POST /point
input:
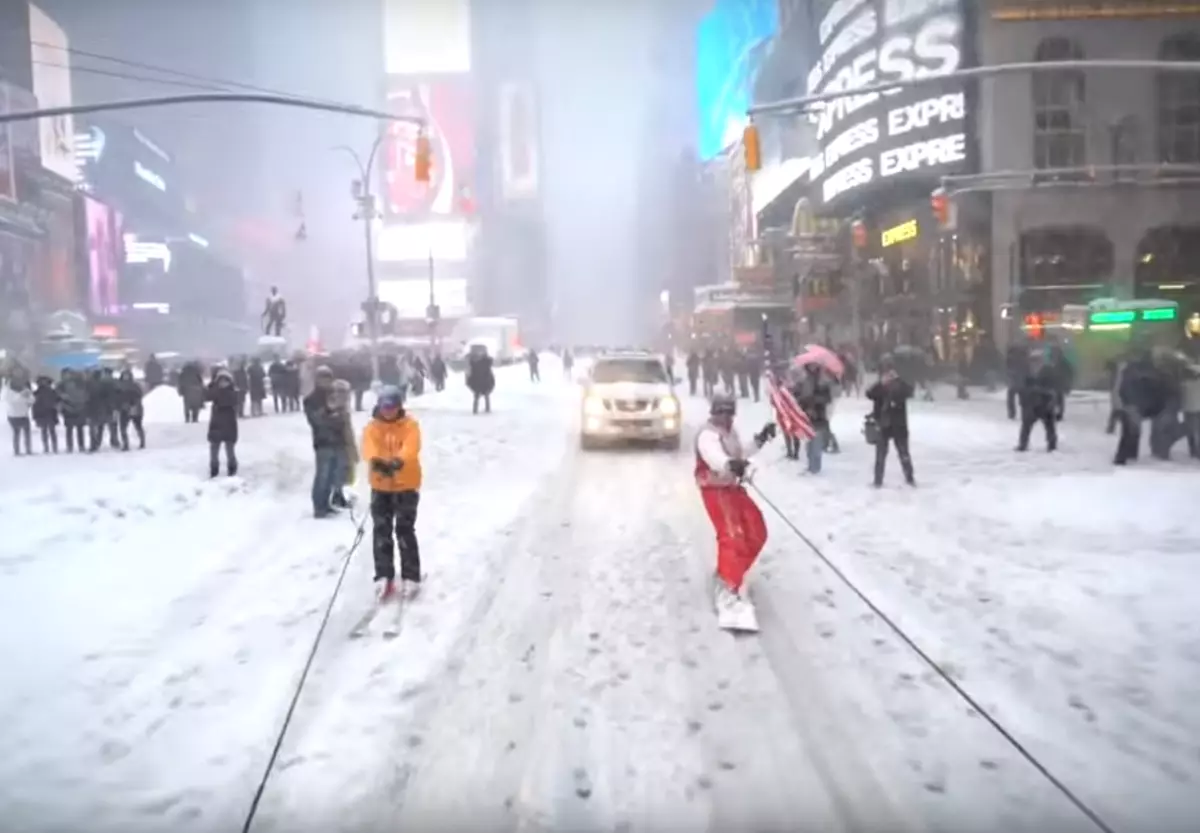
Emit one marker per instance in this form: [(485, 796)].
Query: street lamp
[(368, 213)]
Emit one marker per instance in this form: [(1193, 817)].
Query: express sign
[(872, 137)]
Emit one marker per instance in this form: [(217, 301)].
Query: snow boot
[(385, 590), (410, 589)]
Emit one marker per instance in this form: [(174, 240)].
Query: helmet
[(722, 404), (389, 397)]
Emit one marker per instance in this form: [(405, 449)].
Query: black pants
[(1130, 441), (534, 376), (792, 446), (49, 432), (136, 422), (692, 385), (394, 514), (358, 396), (1028, 420), (21, 428), (1010, 401), (214, 462), (75, 434), (487, 403), (900, 440), (191, 413), (256, 406), (97, 438), (755, 387), (275, 398)]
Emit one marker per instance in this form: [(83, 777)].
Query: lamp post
[(368, 213)]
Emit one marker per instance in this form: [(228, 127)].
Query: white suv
[(629, 396)]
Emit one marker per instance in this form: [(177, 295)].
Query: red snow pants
[(741, 531)]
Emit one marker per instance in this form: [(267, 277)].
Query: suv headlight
[(593, 406), (668, 406)]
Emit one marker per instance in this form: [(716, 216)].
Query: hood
[(223, 373)]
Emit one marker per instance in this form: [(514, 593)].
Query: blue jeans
[(330, 469), (815, 450)]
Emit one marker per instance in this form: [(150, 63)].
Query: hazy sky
[(246, 162)]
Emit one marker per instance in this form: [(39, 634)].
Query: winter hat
[(324, 372), (390, 396), (722, 405)]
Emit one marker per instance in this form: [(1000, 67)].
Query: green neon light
[(1162, 314), (1113, 317)]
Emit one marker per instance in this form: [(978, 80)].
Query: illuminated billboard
[(51, 59), (446, 107), (872, 140), (426, 37), (731, 43), (445, 241)]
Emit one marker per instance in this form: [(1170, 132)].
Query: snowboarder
[(222, 422), (391, 445), (721, 465)]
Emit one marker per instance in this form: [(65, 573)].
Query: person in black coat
[(437, 372), (222, 422), (256, 376), (277, 374), (72, 394), (45, 413), (889, 397), (102, 408), (129, 409), (153, 372), (327, 421), (481, 379), (1039, 395), (241, 380)]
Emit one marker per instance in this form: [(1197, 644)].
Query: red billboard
[(105, 256), (446, 106)]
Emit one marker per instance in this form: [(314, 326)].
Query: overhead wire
[(215, 81), (130, 77)]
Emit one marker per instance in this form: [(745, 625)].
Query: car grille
[(628, 406)]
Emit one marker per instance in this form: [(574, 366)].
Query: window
[(612, 371), (1178, 95), (1059, 137), (1168, 261), (1064, 265)]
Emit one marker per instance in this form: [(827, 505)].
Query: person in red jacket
[(722, 460)]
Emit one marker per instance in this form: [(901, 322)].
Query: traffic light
[(939, 202), (752, 148), (424, 162)]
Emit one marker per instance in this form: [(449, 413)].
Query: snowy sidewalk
[(1057, 589)]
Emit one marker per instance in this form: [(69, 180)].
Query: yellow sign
[(900, 233)]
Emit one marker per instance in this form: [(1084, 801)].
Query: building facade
[(1093, 178)]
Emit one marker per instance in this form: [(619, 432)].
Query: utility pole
[(433, 313), (368, 212)]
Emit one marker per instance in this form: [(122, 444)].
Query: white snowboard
[(733, 614)]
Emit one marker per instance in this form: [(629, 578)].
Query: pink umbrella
[(823, 356)]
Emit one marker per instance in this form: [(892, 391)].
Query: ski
[(363, 626), (391, 628)]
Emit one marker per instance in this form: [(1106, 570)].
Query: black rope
[(932, 663), (359, 531)]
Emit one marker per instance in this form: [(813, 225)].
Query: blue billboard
[(731, 44)]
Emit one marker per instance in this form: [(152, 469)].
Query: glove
[(387, 468), (738, 468)]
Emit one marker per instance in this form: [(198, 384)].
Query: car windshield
[(629, 370)]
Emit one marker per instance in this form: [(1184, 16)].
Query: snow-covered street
[(563, 669)]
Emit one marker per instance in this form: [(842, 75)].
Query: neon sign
[(899, 234)]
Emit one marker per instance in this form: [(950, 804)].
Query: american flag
[(788, 414)]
